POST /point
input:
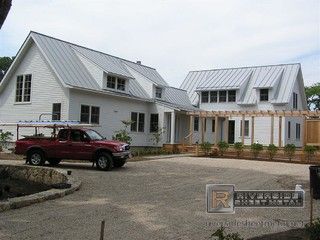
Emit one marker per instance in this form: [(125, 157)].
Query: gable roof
[(280, 77), (64, 59)]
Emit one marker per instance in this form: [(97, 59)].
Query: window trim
[(23, 89)]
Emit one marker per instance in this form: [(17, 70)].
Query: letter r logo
[(220, 198)]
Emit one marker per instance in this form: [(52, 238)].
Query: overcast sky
[(176, 36)]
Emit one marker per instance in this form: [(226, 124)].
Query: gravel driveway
[(158, 199)]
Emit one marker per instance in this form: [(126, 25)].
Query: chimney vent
[(139, 62)]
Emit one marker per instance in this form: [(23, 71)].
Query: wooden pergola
[(272, 114)]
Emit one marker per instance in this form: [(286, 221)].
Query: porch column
[(216, 131), (272, 129), (252, 130), (202, 129), (190, 130), (173, 126), (280, 132), (242, 128), (226, 128)]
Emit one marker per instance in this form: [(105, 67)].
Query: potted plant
[(223, 147), (238, 146), (290, 150), (272, 151), (256, 148), (309, 151), (206, 147)]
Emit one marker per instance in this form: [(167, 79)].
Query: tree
[(5, 63), (5, 6), (313, 96)]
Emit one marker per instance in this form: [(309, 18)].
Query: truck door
[(59, 148), (80, 146)]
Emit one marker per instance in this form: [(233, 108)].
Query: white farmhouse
[(273, 87), (71, 82)]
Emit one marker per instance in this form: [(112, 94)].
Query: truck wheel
[(119, 163), (54, 161), (104, 161), (36, 158)]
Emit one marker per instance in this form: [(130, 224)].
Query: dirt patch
[(294, 234)]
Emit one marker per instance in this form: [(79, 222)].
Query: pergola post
[(173, 126), (190, 130), (242, 128), (252, 130), (272, 129), (216, 130), (280, 132), (202, 129), (226, 128)]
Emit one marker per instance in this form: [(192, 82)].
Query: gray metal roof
[(62, 56), (178, 98), (281, 77)]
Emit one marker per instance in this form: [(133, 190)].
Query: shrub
[(157, 136), (290, 150), (238, 146), (4, 138), (309, 151), (313, 229), (223, 147), (123, 135), (206, 147), (272, 151), (220, 233), (256, 148)]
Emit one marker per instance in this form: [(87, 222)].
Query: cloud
[(178, 36)]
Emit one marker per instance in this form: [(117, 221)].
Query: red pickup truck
[(71, 143)]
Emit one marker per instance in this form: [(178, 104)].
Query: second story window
[(222, 96), (121, 84), (111, 82), (231, 96), (213, 96), (158, 92), (295, 101), (264, 94), (23, 88), (204, 97)]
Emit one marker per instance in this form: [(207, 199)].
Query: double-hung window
[(231, 96), (213, 96), (246, 128), (222, 96), (89, 114), (56, 111), (196, 124), (154, 122), (204, 97), (23, 88), (264, 95), (158, 92), (137, 122)]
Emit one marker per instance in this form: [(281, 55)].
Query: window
[(23, 88), (56, 111), (204, 124), (111, 82), (63, 135), (289, 129), (121, 84), (78, 136), (213, 125), (137, 120), (154, 122), (158, 92), (246, 128), (141, 122), (295, 101), (298, 130), (222, 96), (264, 94), (196, 124), (204, 97), (85, 114), (95, 115), (213, 96), (231, 96), (134, 121)]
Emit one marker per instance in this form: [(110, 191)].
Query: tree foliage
[(5, 63), (313, 96)]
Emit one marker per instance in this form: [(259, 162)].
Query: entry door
[(231, 127)]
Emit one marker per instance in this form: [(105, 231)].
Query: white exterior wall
[(46, 89), (113, 110)]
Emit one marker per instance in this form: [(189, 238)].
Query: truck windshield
[(94, 135)]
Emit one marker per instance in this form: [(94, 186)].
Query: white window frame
[(90, 113), (23, 89), (116, 83), (136, 130), (158, 90)]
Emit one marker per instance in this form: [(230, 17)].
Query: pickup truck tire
[(104, 161), (54, 161), (36, 157), (119, 163)]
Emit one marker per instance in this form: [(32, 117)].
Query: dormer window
[(116, 83), (204, 97), (264, 94), (111, 82), (158, 92)]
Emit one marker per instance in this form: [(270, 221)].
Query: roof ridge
[(58, 39), (177, 88), (255, 66)]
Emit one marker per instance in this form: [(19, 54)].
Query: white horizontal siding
[(46, 90)]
